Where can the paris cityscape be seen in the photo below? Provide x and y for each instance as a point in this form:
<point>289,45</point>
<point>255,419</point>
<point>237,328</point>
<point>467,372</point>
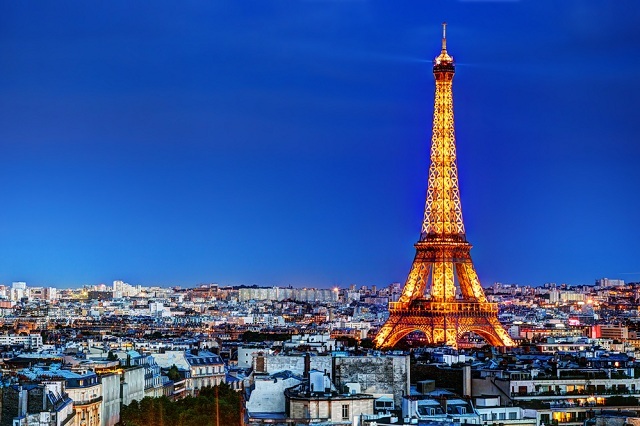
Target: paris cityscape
<point>319,317</point>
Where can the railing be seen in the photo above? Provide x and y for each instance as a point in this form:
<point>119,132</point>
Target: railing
<point>580,393</point>
<point>87,402</point>
<point>437,308</point>
<point>564,404</point>
<point>583,377</point>
<point>205,374</point>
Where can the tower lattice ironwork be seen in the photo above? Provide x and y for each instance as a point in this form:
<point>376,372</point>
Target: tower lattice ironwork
<point>429,302</point>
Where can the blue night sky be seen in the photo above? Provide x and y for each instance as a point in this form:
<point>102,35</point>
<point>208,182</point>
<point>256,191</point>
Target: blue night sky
<point>286,142</point>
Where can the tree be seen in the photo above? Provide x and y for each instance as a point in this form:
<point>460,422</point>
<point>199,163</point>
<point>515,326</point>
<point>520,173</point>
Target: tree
<point>201,410</point>
<point>366,343</point>
<point>174,374</point>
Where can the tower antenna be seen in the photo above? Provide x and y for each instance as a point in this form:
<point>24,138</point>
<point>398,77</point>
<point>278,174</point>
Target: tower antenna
<point>444,36</point>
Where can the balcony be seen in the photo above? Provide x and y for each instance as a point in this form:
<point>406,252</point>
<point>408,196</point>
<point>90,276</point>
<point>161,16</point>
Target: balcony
<point>428,308</point>
<point>576,393</point>
<point>87,402</point>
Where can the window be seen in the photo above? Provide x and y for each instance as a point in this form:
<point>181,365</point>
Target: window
<point>513,415</point>
<point>501,416</point>
<point>345,412</point>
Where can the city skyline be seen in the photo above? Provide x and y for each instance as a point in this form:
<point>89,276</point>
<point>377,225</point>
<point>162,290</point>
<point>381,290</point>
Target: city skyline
<point>287,143</point>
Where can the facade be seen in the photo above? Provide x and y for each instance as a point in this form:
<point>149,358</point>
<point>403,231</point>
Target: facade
<point>317,401</point>
<point>610,331</point>
<point>273,363</point>
<point>376,375</point>
<point>444,407</point>
<point>282,293</point>
<point>86,392</point>
<point>246,355</point>
<point>339,409</point>
<point>204,368</point>
<point>31,341</point>
<point>83,388</point>
<point>207,369</point>
<point>606,282</point>
<point>153,385</point>
<point>110,414</point>
<point>570,383</point>
<point>267,392</point>
<point>490,410</point>
<point>132,384</point>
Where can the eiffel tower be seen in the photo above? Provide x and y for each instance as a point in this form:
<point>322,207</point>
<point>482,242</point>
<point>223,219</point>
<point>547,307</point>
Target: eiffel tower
<point>429,302</point>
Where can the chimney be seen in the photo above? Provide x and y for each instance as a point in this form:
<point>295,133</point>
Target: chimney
<point>466,380</point>
<point>307,365</point>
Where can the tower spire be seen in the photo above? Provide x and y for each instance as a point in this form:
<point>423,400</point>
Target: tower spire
<point>444,58</point>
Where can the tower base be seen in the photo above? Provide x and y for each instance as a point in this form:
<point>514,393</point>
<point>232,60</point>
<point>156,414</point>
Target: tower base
<point>444,323</point>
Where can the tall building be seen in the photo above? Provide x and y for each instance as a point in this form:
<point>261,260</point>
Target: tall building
<point>122,289</point>
<point>606,282</point>
<point>429,302</point>
<point>18,291</point>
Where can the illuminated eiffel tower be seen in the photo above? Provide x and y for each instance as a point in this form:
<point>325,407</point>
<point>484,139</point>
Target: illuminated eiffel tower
<point>443,253</point>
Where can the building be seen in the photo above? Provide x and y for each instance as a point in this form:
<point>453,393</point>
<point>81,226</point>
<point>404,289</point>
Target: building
<point>204,368</point>
<point>132,384</point>
<point>266,395</point>
<point>271,363</point>
<point>610,331</point>
<point>490,410</point>
<point>579,387</point>
<point>110,414</point>
<point>606,282</point>
<point>86,392</point>
<point>439,406</point>
<point>386,375</point>
<point>83,388</point>
<point>43,404</point>
<point>30,341</point>
<point>317,401</point>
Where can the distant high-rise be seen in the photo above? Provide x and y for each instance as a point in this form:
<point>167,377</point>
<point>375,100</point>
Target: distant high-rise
<point>606,282</point>
<point>18,290</point>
